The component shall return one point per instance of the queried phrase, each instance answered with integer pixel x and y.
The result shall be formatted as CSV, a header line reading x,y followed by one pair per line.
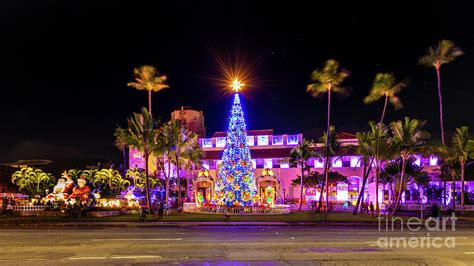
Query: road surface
x,y
226,245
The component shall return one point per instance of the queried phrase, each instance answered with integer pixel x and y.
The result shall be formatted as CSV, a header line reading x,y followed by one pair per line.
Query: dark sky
x,y
65,65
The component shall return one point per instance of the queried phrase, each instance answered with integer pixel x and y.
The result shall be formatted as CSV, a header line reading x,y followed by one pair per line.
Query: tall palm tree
x,y
385,85
299,155
328,80
410,139
148,78
140,134
445,52
463,149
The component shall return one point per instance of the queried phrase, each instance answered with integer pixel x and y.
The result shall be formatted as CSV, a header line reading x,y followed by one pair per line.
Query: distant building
x,y
190,119
274,174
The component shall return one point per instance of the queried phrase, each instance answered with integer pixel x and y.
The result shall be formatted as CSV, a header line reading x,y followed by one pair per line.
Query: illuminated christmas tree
x,y
236,183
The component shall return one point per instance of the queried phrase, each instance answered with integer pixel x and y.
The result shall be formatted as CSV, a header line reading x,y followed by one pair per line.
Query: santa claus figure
x,y
82,191
68,185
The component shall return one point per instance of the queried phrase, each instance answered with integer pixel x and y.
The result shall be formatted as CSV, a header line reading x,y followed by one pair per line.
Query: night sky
x,y
65,66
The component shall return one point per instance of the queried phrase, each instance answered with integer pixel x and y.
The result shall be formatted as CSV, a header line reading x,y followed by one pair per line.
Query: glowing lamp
x,y
204,173
267,172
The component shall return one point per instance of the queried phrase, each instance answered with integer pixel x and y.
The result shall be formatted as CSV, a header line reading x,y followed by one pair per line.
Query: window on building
x,y
407,195
262,140
259,163
284,165
254,163
268,163
424,161
220,142
250,140
276,163
207,143
433,160
418,160
212,165
277,140
355,161
318,163
205,165
292,140
337,163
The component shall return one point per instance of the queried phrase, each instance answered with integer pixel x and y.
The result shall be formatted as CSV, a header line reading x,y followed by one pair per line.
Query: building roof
x,y
270,153
249,133
33,162
345,135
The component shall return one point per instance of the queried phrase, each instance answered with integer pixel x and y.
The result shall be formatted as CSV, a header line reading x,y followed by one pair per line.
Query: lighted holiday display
x,y
236,183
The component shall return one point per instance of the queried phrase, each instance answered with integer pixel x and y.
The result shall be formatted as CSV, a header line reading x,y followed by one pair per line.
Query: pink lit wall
x,y
136,159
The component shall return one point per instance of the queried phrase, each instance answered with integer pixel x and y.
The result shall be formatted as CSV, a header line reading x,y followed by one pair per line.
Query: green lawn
x,y
187,217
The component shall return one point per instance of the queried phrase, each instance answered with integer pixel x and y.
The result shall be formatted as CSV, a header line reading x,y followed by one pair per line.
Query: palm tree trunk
x,y
149,101
322,188
453,193
462,188
147,182
390,191
301,186
360,198
178,180
441,123
377,174
168,183
444,192
384,108
399,196
327,147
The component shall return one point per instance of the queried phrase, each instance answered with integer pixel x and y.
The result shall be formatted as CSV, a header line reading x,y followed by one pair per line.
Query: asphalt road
x,y
226,246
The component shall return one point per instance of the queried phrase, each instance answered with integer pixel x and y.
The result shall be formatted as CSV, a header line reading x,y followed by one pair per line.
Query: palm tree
x,y
162,151
328,80
380,150
413,174
182,140
192,156
363,139
410,138
33,180
384,85
122,147
332,149
148,78
299,155
138,178
111,180
449,170
140,134
445,52
463,149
